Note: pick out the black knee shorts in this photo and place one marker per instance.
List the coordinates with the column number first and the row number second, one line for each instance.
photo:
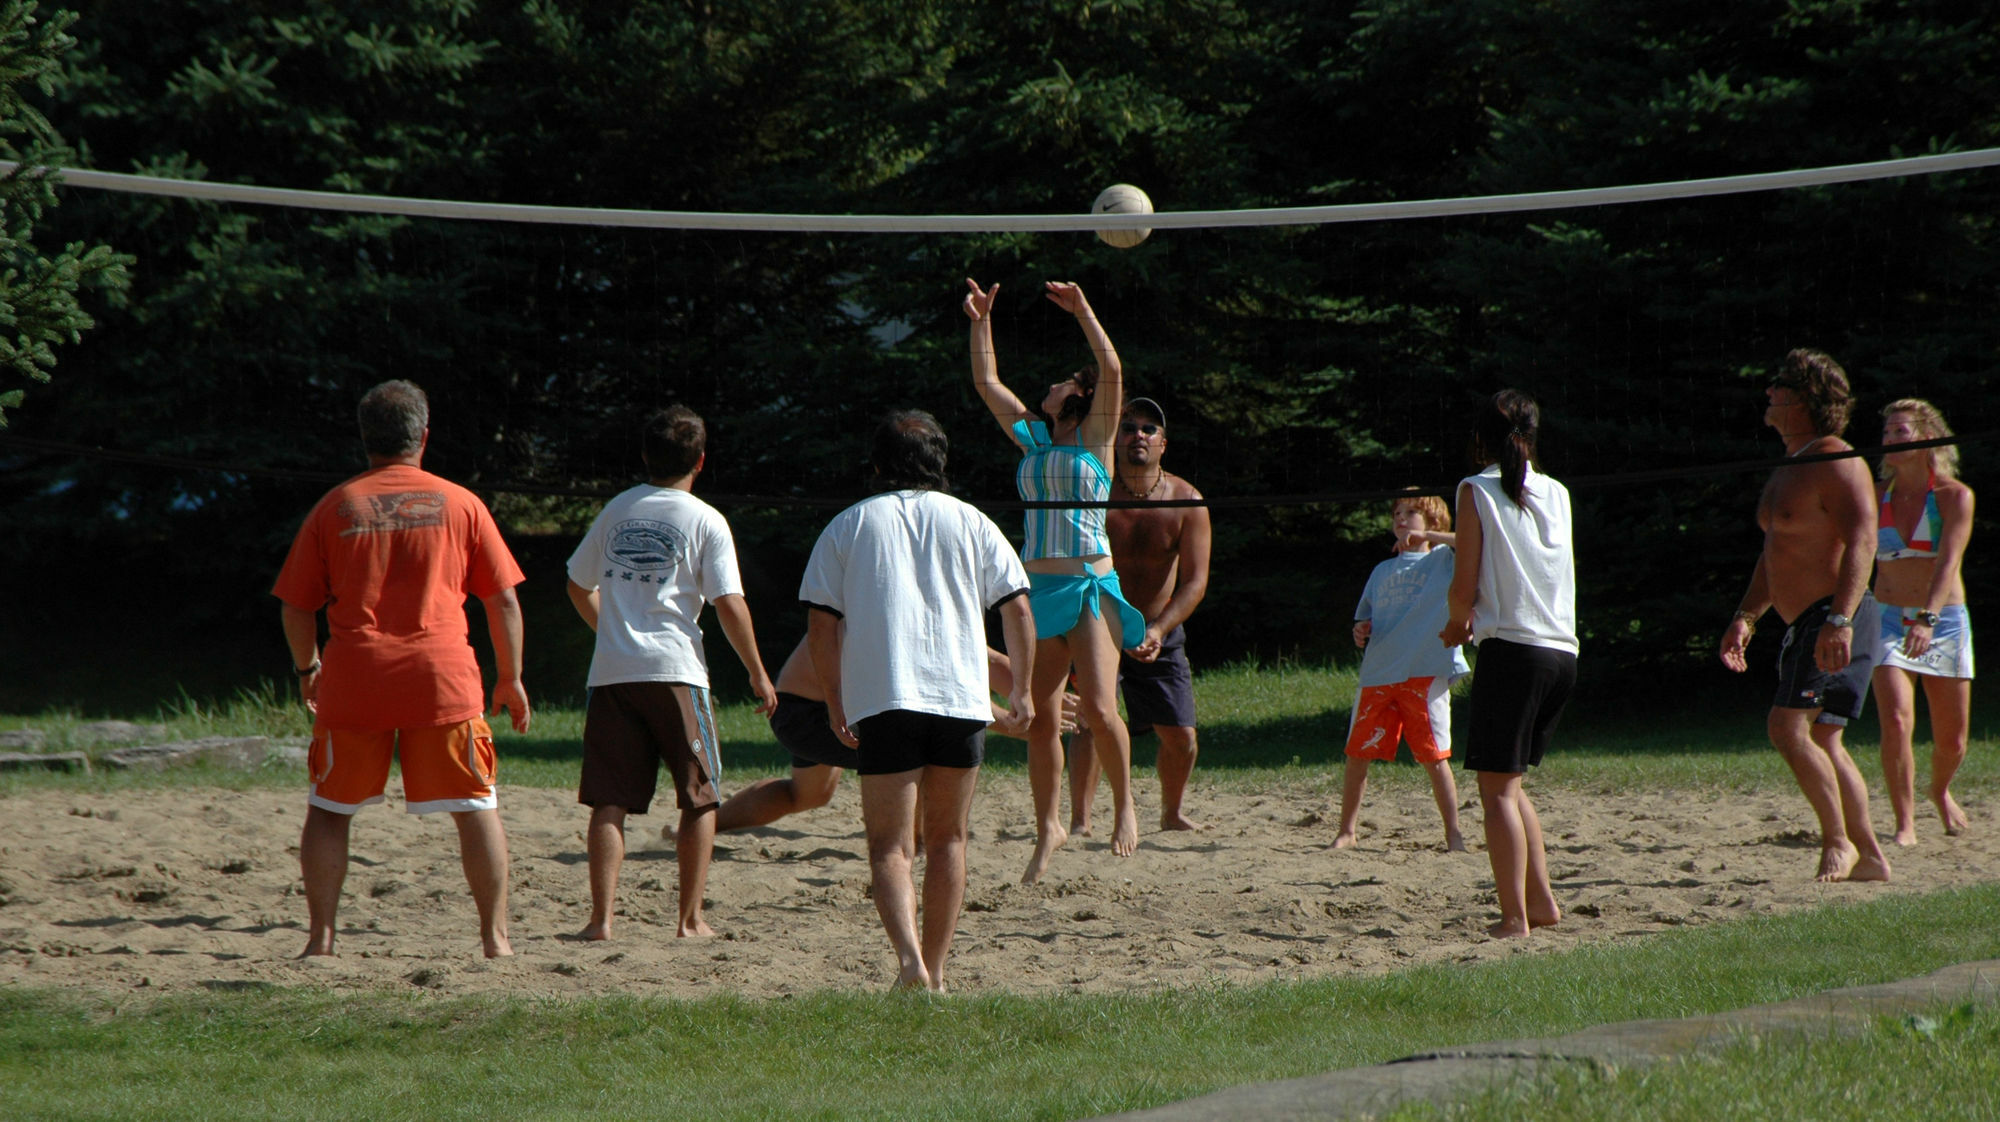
column 1803, row 685
column 1518, row 694
column 800, row 725
column 1159, row 693
column 900, row 740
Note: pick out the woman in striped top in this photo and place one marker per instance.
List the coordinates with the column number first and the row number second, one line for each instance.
column 1081, row 617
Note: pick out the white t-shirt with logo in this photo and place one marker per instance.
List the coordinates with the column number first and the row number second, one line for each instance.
column 913, row 574
column 655, row 555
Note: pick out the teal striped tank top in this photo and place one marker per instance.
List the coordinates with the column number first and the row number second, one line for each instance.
column 1051, row 472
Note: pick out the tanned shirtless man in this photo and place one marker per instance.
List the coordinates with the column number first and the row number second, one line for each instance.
column 1161, row 554
column 1819, row 531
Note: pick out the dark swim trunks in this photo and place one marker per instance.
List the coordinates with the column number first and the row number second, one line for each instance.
column 800, row 725
column 1803, row 685
column 1160, row 692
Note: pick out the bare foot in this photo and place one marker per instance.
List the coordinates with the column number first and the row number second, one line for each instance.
column 1955, row 821
column 911, row 980
column 1046, row 845
column 1178, row 821
column 498, row 947
column 1125, row 833
column 1875, row 866
column 1454, row 842
column 1836, row 861
column 1079, row 827
column 1509, row 929
column 595, row 933
column 1544, row 919
column 699, row 929
column 317, row 949
column 1907, row 834
column 1344, row 840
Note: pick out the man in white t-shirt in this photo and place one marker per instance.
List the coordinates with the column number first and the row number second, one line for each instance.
column 639, row 578
column 912, row 572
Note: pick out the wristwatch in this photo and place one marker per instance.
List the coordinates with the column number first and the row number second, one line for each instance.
column 1835, row 619
column 1927, row 618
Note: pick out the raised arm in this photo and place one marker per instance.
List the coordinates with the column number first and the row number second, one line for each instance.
column 1101, row 427
column 1000, row 401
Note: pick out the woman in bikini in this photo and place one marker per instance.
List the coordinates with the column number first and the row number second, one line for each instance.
column 1924, row 523
column 1081, row 617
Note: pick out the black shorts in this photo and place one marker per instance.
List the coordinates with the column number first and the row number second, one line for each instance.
column 1518, row 694
column 900, row 740
column 630, row 728
column 1803, row 685
column 800, row 725
column 1160, row 692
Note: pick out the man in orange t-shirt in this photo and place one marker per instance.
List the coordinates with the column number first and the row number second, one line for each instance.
column 391, row 555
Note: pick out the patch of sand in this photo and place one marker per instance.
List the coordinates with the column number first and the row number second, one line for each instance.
column 172, row 890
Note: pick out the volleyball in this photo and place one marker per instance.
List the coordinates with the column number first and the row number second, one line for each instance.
column 1122, row 198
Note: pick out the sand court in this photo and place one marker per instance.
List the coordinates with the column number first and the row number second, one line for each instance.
column 199, row 888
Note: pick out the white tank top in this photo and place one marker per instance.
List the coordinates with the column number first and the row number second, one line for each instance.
column 1527, row 571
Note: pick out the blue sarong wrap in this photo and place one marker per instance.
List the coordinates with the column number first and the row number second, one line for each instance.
column 1058, row 600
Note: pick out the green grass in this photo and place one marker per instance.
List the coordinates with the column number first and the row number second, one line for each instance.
column 277, row 1053
column 273, row 1053
column 1944, row 1064
column 1260, row 726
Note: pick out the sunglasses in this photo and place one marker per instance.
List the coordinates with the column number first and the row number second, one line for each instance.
column 1130, row 428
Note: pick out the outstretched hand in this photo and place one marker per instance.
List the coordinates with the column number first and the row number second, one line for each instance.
column 979, row 304
column 1067, row 296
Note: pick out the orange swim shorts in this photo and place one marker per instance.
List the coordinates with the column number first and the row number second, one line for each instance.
column 1417, row 710
column 445, row 767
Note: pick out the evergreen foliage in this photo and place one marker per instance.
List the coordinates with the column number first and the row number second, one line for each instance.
column 39, row 310
column 1291, row 360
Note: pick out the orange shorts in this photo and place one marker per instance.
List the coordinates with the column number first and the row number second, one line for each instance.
column 1418, row 710
column 445, row 767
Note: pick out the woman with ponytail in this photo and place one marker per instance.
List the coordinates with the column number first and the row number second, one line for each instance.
column 1513, row 594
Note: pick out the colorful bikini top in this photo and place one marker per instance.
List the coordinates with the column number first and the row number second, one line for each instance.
column 1051, row 472
column 1889, row 543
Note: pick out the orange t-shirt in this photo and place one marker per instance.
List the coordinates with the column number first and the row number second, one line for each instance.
column 392, row 554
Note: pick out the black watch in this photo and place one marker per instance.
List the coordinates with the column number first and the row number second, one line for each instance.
column 1928, row 619
column 307, row 671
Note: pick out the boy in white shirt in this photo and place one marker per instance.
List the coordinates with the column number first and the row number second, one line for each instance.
column 639, row 578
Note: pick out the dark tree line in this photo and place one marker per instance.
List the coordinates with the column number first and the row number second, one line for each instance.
column 1291, row 360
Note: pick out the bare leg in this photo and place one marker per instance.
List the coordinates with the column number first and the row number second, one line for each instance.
column 1814, row 771
column 692, row 850
column 1094, row 653
column 1178, row 749
column 1083, row 772
column 1353, row 784
column 768, row 800
column 1045, row 754
column 888, row 814
column 323, row 866
column 1507, row 848
column 1895, row 708
column 1543, row 911
column 1950, row 701
column 1872, row 863
column 482, row 850
column 1444, row 789
column 604, row 841
column 947, row 809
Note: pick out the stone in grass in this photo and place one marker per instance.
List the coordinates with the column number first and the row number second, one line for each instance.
column 222, row 751
column 114, row 732
column 18, row 739
column 54, row 761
